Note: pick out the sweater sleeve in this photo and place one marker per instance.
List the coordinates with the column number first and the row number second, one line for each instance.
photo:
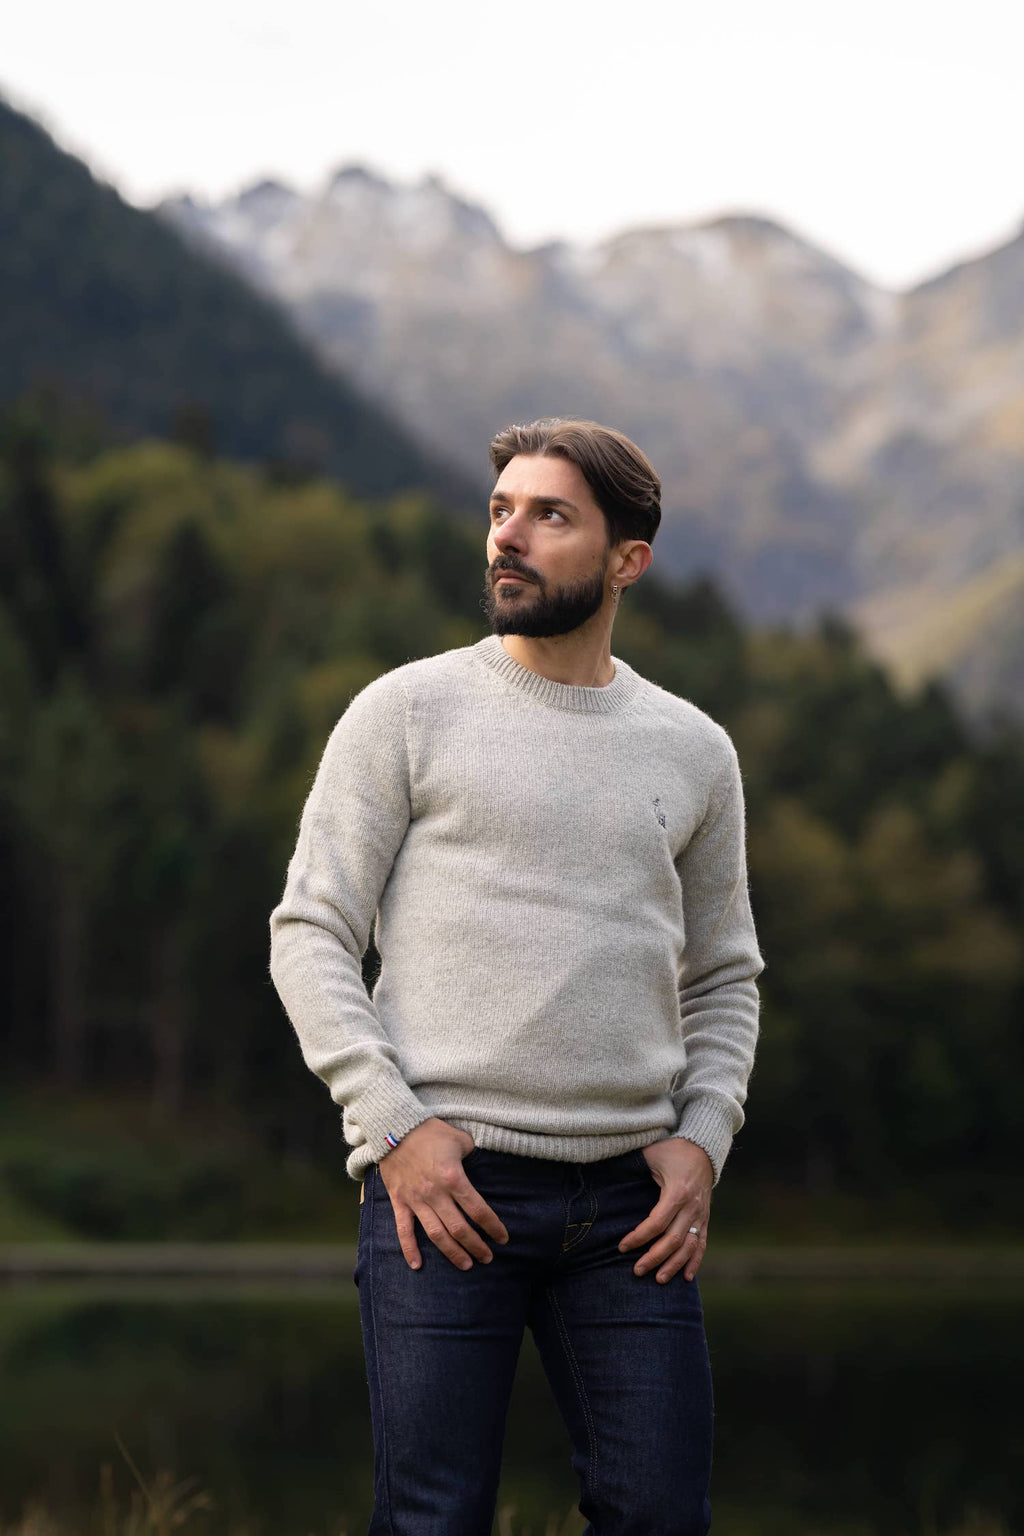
column 718, row 996
column 352, row 827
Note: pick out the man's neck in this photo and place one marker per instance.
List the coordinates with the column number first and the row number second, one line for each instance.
column 582, row 658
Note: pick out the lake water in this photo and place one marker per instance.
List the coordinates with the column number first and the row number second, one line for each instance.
column 858, row 1409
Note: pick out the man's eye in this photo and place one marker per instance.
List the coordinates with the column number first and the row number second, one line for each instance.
column 552, row 512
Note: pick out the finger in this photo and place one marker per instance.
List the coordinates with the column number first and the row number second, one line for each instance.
column 689, row 1255
column 653, row 1225
column 476, row 1207
column 672, row 1240
column 456, row 1184
column 441, row 1238
column 697, row 1257
column 461, row 1229
column 407, row 1237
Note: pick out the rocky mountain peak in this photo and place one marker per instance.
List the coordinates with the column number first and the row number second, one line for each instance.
column 355, row 174
column 264, row 204
column 424, row 213
column 267, row 190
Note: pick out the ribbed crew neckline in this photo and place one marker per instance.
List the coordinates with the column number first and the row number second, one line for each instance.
column 609, row 700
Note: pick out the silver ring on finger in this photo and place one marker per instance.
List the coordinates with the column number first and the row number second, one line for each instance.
column 695, row 1231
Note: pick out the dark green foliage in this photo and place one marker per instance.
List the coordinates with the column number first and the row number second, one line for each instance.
column 103, row 306
column 111, row 1192
column 178, row 634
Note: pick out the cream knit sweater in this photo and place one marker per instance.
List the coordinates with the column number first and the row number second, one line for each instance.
column 558, row 876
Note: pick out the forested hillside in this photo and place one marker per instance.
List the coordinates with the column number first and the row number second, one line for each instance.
column 178, row 635
column 103, row 307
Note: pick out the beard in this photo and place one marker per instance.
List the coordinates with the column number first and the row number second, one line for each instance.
column 537, row 612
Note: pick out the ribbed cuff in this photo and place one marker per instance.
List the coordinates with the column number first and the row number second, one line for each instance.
column 387, row 1107
column 708, row 1122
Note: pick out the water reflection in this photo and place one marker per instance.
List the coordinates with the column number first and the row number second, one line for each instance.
column 857, row 1409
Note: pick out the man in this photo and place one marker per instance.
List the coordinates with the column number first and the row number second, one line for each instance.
column 544, row 1087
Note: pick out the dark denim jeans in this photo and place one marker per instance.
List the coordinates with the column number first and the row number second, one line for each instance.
column 626, row 1357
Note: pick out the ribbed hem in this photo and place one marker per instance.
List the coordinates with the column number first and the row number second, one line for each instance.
column 559, row 1149
column 388, row 1106
column 708, row 1122
column 609, row 700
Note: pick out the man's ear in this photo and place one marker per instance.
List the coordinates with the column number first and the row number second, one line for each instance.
column 630, row 561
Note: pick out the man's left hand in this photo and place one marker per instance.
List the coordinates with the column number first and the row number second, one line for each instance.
column 686, row 1177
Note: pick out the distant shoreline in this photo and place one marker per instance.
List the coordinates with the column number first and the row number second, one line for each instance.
column 28, row 1262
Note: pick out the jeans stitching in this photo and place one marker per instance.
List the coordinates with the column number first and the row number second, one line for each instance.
column 581, row 1392
column 385, row 1481
column 583, row 1226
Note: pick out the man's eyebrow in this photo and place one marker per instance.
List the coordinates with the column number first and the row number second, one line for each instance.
column 546, row 501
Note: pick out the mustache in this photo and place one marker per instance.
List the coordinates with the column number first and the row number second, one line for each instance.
column 513, row 563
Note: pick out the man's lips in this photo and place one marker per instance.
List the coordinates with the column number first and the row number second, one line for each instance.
column 511, row 576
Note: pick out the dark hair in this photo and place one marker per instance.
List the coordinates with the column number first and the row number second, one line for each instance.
column 620, row 477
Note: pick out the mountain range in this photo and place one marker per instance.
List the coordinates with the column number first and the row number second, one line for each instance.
column 822, row 442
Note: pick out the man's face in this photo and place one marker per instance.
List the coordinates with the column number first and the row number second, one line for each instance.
column 547, row 549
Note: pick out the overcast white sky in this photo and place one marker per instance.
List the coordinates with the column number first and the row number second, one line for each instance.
column 888, row 131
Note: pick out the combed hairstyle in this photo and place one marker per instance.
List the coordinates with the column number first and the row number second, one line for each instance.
column 620, row 477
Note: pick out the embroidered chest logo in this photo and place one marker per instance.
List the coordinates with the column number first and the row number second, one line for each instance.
column 659, row 810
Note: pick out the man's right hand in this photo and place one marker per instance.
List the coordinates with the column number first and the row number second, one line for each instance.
column 426, row 1182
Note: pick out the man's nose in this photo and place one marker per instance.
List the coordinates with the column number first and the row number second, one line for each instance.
column 511, row 534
